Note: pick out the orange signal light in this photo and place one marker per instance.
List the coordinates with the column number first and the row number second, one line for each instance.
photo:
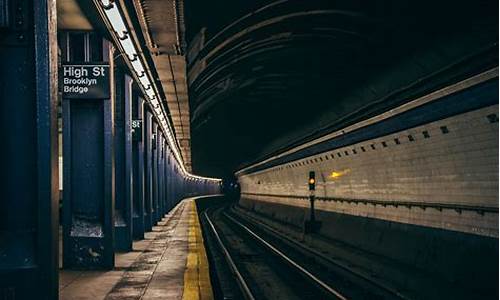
column 312, row 181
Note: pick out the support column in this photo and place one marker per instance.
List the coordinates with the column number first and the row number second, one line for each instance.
column 123, row 161
column 29, row 160
column 169, row 180
column 138, row 195
column 168, row 205
column 155, row 172
column 176, row 184
column 148, row 169
column 88, row 192
column 162, row 175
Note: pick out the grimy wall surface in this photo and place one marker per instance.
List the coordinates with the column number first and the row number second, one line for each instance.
column 432, row 162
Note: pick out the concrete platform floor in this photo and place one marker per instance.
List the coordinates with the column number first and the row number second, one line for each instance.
column 170, row 263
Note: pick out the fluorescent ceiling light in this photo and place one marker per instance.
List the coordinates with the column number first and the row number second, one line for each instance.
column 144, row 80
column 151, row 93
column 129, row 48
column 115, row 18
column 138, row 68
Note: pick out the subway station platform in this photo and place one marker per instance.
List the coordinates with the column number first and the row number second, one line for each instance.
column 249, row 149
column 170, row 263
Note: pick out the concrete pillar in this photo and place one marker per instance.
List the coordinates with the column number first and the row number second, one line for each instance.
column 88, row 193
column 123, row 161
column 28, row 160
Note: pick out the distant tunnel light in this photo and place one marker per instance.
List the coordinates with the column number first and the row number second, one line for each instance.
column 115, row 18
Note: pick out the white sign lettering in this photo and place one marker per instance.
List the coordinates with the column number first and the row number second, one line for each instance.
column 89, row 81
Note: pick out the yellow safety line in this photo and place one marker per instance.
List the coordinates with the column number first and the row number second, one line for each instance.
column 196, row 276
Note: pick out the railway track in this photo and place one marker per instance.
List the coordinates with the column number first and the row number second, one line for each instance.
column 265, row 265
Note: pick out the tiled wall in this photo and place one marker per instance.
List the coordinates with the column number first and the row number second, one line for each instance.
column 453, row 162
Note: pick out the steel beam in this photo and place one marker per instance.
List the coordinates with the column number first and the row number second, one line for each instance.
column 155, row 171
column 29, row 161
column 148, row 169
column 88, row 194
column 138, row 195
column 123, row 161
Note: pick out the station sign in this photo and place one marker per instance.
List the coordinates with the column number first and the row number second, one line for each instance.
column 85, row 81
column 136, row 130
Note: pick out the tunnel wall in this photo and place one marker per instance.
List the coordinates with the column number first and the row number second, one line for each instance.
column 425, row 196
column 441, row 174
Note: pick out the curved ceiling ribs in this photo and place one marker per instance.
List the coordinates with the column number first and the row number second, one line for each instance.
column 277, row 74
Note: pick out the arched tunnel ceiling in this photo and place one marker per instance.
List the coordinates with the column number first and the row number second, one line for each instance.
column 292, row 70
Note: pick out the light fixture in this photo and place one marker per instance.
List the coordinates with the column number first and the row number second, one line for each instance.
column 115, row 18
column 144, row 81
column 151, row 94
column 111, row 11
column 129, row 48
column 138, row 68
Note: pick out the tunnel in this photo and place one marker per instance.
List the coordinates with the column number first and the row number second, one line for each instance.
column 267, row 149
